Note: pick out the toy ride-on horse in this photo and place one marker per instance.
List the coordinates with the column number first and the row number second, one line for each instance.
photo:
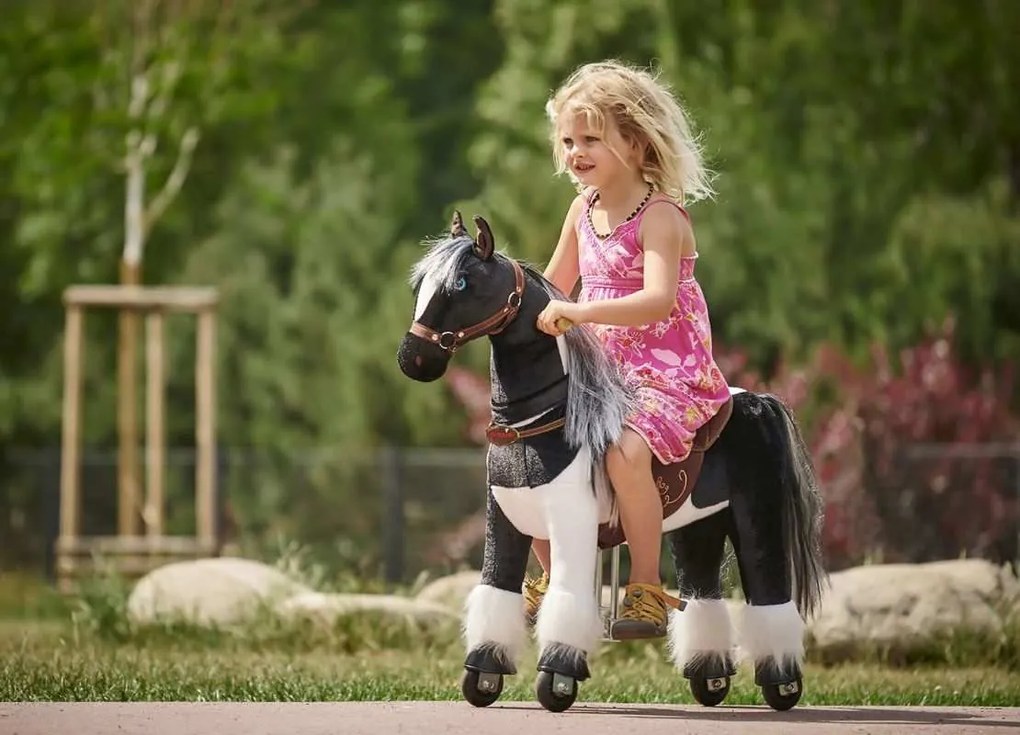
column 558, row 404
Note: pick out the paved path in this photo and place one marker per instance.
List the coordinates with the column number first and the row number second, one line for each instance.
column 426, row 718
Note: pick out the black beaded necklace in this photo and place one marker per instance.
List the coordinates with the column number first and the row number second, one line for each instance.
column 632, row 215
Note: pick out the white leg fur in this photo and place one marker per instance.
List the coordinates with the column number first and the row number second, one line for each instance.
column 495, row 618
column 703, row 630
column 568, row 619
column 775, row 631
column 569, row 613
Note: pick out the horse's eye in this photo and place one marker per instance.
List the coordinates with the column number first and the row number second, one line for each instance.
column 460, row 284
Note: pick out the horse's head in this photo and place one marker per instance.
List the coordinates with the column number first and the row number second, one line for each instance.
column 464, row 290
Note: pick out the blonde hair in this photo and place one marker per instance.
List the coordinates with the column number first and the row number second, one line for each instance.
column 645, row 112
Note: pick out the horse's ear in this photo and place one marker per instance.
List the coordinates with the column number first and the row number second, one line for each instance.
column 457, row 228
column 485, row 243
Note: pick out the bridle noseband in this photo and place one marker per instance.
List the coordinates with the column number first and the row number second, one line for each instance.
column 451, row 341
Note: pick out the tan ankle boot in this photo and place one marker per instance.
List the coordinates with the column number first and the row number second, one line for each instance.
column 645, row 612
column 534, row 590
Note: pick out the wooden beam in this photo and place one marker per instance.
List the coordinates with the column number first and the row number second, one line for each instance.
column 172, row 298
column 205, row 427
column 112, row 546
column 70, row 497
column 155, row 428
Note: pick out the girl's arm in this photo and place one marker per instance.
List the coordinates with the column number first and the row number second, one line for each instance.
column 563, row 269
column 665, row 234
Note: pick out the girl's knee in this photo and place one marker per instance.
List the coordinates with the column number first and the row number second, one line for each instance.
column 629, row 455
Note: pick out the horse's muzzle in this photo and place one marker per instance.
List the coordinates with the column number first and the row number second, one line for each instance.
column 421, row 360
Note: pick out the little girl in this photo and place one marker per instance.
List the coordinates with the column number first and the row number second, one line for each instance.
column 625, row 142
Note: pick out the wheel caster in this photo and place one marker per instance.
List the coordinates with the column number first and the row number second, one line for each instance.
column 555, row 692
column 481, row 689
column 710, row 692
column 782, row 697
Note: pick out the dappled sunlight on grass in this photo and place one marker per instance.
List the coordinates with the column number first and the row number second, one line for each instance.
column 54, row 662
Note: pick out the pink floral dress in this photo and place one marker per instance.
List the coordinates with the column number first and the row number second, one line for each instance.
column 668, row 364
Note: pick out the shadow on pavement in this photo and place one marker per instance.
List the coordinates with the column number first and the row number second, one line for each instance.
column 806, row 714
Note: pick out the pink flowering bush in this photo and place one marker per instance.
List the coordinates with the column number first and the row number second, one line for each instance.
column 911, row 450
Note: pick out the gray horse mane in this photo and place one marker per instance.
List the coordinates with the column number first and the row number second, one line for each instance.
column 597, row 400
column 442, row 261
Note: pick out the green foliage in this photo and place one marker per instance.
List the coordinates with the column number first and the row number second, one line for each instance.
column 25, row 597
column 867, row 188
column 101, row 607
column 956, row 257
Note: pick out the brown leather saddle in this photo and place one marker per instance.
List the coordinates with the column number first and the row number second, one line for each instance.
column 676, row 481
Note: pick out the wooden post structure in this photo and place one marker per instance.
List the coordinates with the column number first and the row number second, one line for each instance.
column 205, row 429
column 128, row 552
column 155, row 428
column 70, row 491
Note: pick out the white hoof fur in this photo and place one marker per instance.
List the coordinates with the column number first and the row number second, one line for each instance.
column 495, row 617
column 772, row 631
column 569, row 620
column 701, row 631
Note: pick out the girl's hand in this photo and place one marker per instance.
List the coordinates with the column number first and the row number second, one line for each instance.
column 558, row 316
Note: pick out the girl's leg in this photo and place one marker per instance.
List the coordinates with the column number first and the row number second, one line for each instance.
column 629, row 465
column 536, row 587
column 540, row 548
column 645, row 604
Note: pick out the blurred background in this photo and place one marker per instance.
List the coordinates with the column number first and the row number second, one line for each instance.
column 861, row 258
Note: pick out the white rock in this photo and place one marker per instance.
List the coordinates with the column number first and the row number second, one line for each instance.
column 904, row 604
column 220, row 591
column 450, row 591
column 326, row 609
column 996, row 585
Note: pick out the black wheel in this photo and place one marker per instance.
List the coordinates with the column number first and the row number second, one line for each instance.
column 481, row 690
column 555, row 692
column 710, row 692
column 782, row 697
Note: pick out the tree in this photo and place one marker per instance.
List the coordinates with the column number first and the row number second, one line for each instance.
column 166, row 63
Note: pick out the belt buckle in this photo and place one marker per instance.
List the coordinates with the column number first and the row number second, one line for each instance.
column 502, row 436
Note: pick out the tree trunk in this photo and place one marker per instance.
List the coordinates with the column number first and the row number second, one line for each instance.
column 128, row 489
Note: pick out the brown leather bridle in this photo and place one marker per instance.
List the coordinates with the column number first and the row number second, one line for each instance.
column 495, row 324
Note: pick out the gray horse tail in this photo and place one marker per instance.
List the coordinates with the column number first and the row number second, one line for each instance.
column 802, row 512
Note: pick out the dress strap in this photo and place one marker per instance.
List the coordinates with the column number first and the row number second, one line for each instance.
column 588, row 194
column 668, row 200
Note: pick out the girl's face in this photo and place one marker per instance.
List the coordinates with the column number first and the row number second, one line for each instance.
column 596, row 158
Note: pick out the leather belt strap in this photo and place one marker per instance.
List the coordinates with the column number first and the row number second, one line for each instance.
column 503, row 436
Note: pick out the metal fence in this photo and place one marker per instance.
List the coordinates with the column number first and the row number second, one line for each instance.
column 396, row 512
column 389, row 512
column 991, row 467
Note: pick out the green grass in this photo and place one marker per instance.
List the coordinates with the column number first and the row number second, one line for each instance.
column 54, row 662
column 85, row 649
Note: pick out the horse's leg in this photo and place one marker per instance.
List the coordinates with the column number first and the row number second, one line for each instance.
column 759, row 457
column 771, row 630
column 568, row 625
column 701, row 639
column 494, row 625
